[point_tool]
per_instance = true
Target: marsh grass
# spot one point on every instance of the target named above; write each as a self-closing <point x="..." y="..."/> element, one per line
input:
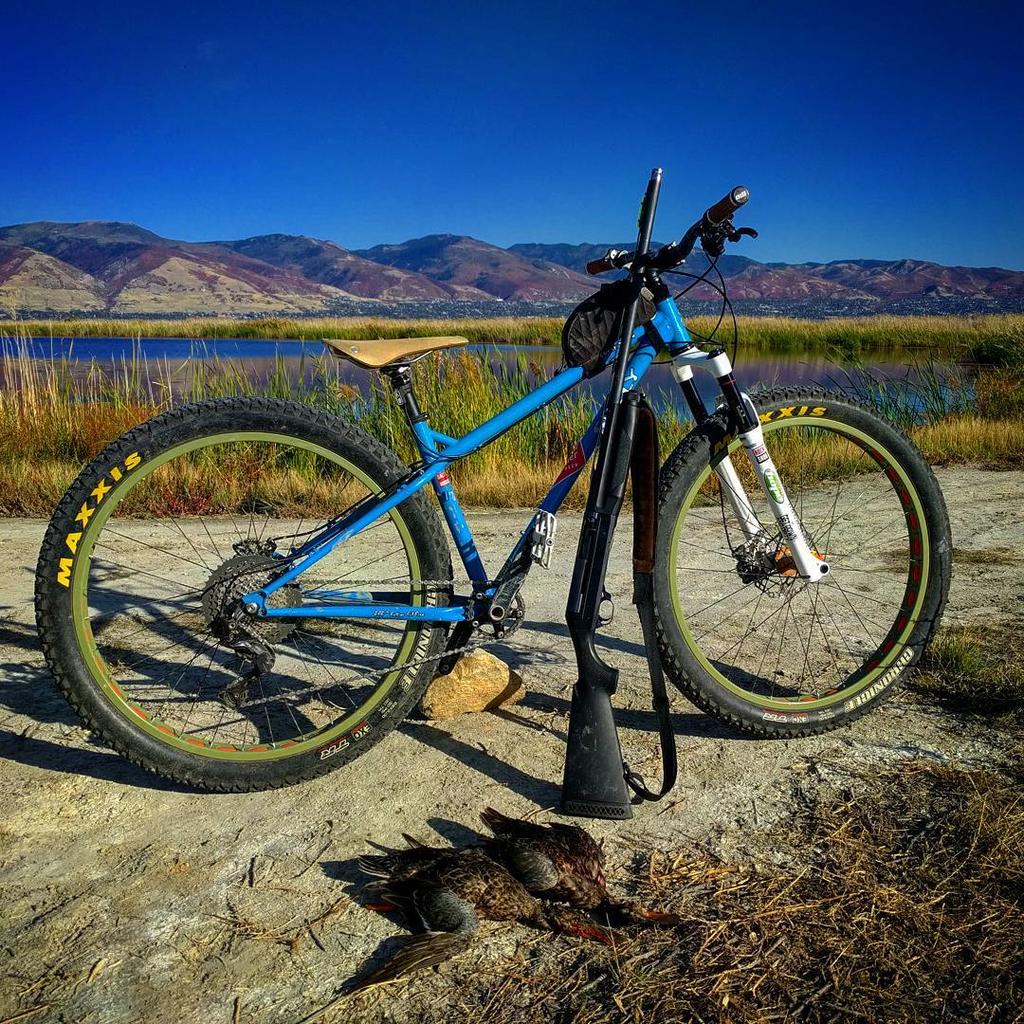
<point x="961" y="413"/>
<point x="989" y="443"/>
<point x="52" y="420"/>
<point x="54" y="417"/>
<point x="927" y="392"/>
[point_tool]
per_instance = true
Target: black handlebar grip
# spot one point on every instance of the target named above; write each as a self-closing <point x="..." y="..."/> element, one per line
<point x="727" y="205"/>
<point x="613" y="259"/>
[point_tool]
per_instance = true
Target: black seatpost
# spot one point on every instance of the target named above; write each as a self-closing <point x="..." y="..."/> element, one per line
<point x="594" y="783"/>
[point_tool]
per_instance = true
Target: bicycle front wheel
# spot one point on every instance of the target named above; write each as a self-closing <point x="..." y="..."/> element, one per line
<point x="740" y="632"/>
<point x="149" y="552"/>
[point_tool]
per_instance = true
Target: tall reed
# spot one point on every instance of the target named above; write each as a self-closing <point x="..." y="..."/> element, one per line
<point x="56" y="414"/>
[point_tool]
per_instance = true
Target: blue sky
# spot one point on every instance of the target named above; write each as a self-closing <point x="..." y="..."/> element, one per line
<point x="869" y="130"/>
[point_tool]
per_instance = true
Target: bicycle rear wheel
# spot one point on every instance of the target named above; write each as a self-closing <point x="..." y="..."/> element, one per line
<point x="176" y="520"/>
<point x="740" y="632"/>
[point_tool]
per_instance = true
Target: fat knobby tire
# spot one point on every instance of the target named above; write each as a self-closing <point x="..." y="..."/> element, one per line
<point x="53" y="599"/>
<point x="685" y="464"/>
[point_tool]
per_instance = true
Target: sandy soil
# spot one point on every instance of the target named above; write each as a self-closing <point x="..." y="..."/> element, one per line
<point x="129" y="900"/>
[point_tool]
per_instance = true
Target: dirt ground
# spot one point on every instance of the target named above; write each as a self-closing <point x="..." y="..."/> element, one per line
<point x="126" y="899"/>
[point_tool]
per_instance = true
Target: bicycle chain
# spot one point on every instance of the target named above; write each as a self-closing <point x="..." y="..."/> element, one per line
<point x="371" y="677"/>
<point x="377" y="676"/>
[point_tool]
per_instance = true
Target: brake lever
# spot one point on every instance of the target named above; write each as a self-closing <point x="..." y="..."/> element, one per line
<point x="712" y="240"/>
<point x="735" y="234"/>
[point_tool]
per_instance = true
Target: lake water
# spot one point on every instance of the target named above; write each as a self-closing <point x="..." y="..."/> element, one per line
<point x="175" y="358"/>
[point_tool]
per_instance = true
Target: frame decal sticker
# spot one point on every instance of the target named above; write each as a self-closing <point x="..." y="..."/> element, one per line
<point x="774" y="486"/>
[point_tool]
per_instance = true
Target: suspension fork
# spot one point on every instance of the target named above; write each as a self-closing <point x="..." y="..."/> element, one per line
<point x="809" y="563"/>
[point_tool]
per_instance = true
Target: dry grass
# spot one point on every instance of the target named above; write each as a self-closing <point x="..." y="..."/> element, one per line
<point x="974" y="668"/>
<point x="990" y="443"/>
<point x="998" y="555"/>
<point x="52" y="420"/>
<point x="534" y="330"/>
<point x="909" y="907"/>
<point x="292" y="934"/>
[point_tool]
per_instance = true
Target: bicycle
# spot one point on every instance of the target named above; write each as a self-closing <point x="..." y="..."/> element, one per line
<point x="799" y="570"/>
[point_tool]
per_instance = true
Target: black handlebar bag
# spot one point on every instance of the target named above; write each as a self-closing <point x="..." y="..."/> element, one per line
<point x="595" y="324"/>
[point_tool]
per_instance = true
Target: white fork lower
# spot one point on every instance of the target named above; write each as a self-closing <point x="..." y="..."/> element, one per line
<point x="809" y="564"/>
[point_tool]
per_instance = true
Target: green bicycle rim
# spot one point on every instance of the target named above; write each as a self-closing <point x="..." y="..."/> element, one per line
<point x="895" y="640"/>
<point x="102" y="677"/>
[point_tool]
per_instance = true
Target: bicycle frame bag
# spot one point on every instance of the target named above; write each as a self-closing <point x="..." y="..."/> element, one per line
<point x="594" y="326"/>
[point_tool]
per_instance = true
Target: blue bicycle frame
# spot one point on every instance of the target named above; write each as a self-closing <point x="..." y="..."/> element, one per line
<point x="438" y="452"/>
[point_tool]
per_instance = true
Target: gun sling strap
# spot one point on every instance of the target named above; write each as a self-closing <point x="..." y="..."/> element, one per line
<point x="643" y="470"/>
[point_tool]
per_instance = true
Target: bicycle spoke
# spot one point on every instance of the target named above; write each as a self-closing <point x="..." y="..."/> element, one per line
<point x="334" y="678"/>
<point x="153" y="547"/>
<point x="150" y="609"/>
<point x="813" y="640"/>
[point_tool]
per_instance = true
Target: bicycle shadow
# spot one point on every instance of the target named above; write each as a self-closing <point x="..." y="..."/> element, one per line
<point x="693" y="724"/>
<point x="540" y="791"/>
<point x="612" y="643"/>
<point x="28" y="691"/>
<point x="26" y="686"/>
<point x="558" y="654"/>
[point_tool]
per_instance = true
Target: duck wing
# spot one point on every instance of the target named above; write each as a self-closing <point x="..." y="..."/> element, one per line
<point x="402" y="864"/>
<point x="504" y="826"/>
<point x="419" y="953"/>
<point x="527" y="862"/>
<point x="560" y="841"/>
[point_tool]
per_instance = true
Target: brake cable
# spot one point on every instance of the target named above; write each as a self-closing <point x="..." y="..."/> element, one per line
<point x="726" y="302"/>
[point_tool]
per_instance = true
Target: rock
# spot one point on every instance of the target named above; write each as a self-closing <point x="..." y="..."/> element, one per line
<point x="479" y="682"/>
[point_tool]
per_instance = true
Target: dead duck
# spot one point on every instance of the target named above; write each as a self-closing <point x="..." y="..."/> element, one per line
<point x="447" y="893"/>
<point x="558" y="862"/>
<point x="562" y="863"/>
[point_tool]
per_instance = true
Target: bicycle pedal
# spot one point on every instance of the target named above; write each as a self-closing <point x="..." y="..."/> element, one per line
<point x="545" y="525"/>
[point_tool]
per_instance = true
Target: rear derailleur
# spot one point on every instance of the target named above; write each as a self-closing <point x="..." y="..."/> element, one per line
<point x="251" y="637"/>
<point x="233" y="632"/>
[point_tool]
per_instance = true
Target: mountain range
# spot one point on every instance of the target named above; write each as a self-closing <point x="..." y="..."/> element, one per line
<point x="123" y="269"/>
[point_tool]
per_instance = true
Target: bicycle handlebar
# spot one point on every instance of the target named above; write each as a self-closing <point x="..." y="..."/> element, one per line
<point x="608" y="261"/>
<point x="713" y="227"/>
<point x="727" y="205"/>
